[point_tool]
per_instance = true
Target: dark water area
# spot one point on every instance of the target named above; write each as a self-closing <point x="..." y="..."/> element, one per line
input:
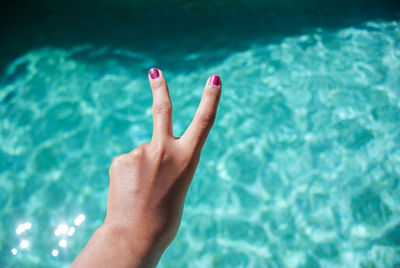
<point x="174" y="32"/>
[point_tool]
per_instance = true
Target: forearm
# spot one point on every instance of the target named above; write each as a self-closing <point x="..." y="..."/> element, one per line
<point x="112" y="245"/>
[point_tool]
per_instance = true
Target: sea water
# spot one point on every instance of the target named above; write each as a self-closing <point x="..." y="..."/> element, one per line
<point x="301" y="168"/>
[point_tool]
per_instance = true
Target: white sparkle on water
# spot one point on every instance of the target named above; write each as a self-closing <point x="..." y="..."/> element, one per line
<point x="24" y="244"/>
<point x="23" y="227"/>
<point x="62" y="229"/>
<point x="78" y="220"/>
<point x="63" y="243"/>
<point x="71" y="231"/>
<point x="54" y="252"/>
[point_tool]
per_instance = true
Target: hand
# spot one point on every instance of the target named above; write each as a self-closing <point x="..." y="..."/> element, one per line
<point x="148" y="186"/>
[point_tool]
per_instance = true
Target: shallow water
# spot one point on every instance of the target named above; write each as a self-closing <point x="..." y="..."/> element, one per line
<point x="300" y="170"/>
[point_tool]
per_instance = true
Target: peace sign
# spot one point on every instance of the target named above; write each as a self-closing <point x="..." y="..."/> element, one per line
<point x="203" y="120"/>
<point x="148" y="186"/>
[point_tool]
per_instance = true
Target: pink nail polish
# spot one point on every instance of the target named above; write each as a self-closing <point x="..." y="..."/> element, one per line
<point x="215" y="79"/>
<point x="154" y="73"/>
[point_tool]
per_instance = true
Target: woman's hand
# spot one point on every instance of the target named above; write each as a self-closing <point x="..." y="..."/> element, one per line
<point x="148" y="185"/>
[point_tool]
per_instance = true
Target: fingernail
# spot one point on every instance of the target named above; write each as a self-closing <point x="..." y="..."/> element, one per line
<point x="154" y="73"/>
<point x="215" y="79"/>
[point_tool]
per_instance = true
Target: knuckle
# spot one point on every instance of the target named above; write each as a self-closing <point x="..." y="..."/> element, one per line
<point x="162" y="108"/>
<point x="120" y="161"/>
<point x="158" y="83"/>
<point x="212" y="91"/>
<point x="161" y="153"/>
<point x="186" y="159"/>
<point x="138" y="152"/>
<point x="206" y="120"/>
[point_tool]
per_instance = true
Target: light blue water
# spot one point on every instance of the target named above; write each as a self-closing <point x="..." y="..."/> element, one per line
<point x="300" y="170"/>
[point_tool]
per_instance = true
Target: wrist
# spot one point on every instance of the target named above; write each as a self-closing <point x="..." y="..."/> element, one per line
<point x="139" y="246"/>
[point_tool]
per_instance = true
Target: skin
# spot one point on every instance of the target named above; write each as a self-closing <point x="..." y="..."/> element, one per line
<point x="148" y="187"/>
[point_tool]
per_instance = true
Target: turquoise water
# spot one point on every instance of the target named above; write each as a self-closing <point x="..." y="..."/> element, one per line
<point x="301" y="169"/>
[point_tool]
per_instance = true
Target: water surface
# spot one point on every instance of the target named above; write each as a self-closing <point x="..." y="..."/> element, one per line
<point x="300" y="170"/>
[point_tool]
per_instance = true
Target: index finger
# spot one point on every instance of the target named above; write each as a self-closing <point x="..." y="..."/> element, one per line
<point x="203" y="120"/>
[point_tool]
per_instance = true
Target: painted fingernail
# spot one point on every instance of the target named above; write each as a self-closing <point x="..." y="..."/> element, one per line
<point x="215" y="79"/>
<point x="154" y="73"/>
